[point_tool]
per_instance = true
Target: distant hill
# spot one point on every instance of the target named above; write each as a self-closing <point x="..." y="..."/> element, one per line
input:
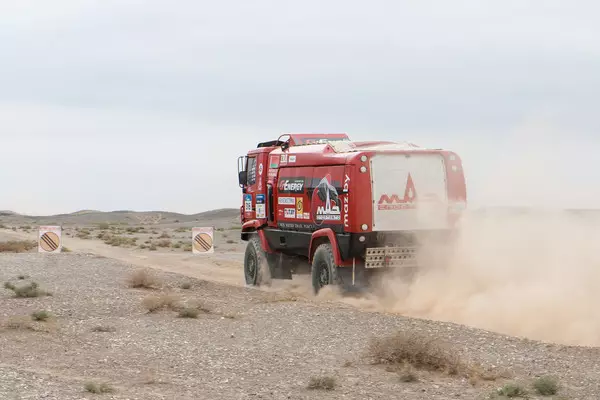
<point x="219" y="217"/>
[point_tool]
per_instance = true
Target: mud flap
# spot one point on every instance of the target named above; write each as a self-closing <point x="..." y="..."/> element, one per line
<point x="360" y="283"/>
<point x="279" y="266"/>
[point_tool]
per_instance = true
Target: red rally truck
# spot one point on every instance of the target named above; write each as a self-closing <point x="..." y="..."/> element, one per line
<point x="342" y="210"/>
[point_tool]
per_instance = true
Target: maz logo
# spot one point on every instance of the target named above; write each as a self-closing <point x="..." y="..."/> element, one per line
<point x="394" y="202"/>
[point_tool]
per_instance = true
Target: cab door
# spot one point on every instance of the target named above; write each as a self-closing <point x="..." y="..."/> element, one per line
<point x="255" y="199"/>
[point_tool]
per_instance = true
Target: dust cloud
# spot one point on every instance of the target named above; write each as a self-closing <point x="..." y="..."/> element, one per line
<point x="531" y="272"/>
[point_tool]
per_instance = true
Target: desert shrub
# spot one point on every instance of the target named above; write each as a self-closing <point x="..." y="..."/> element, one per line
<point x="98" y="388"/>
<point x="104" y="329"/>
<point x="104" y="225"/>
<point x="40" y="316"/>
<point x="176" y="245"/>
<point x="181" y="230"/>
<point x="152" y="247"/>
<point x="26" y="291"/>
<point x="419" y="351"/>
<point x="17" y="246"/>
<point x="19" y="323"/>
<point x="164" y="243"/>
<point x="65" y="249"/>
<point x="189" y="312"/>
<point x="512" y="390"/>
<point x="408" y="374"/>
<point x="164" y="235"/>
<point x="120" y="241"/>
<point x="322" y="383"/>
<point x="142" y="278"/>
<point x="186" y="285"/>
<point x="163" y="301"/>
<point x="187" y="247"/>
<point x="230" y="241"/>
<point x="546" y="386"/>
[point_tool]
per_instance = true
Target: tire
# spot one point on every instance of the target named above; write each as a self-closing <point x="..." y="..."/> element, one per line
<point x="323" y="270"/>
<point x="256" y="267"/>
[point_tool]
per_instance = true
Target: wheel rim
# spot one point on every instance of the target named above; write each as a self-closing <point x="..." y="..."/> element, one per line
<point x="323" y="275"/>
<point x="251" y="268"/>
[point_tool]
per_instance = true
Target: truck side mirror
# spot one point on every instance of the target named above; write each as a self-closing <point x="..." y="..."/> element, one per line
<point x="242" y="177"/>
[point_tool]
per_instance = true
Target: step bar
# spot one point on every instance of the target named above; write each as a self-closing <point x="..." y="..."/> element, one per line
<point x="383" y="257"/>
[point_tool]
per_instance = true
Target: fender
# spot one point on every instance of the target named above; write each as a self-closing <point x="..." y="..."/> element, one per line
<point x="325" y="232"/>
<point x="255" y="226"/>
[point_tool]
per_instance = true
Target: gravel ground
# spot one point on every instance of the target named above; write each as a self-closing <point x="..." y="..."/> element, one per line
<point x="252" y="344"/>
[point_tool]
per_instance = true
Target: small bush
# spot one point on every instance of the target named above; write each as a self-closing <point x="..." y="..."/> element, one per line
<point x="408" y="374"/>
<point x="104" y="329"/>
<point x="65" y="249"/>
<point x="186" y="285"/>
<point x="104" y="225"/>
<point x="155" y="303"/>
<point x="120" y="241"/>
<point x="19" y="323"/>
<point x="143" y="279"/>
<point x="322" y="383"/>
<point x="164" y="243"/>
<point x="187" y="247"/>
<point x="512" y="390"/>
<point x="164" y="235"/>
<point x="189" y="312"/>
<point x="152" y="247"/>
<point x="546" y="386"/>
<point x="230" y="241"/>
<point x="181" y="230"/>
<point x="176" y="245"/>
<point x="40" y="316"/>
<point x="418" y="351"/>
<point x="26" y="291"/>
<point x="98" y="388"/>
<point x="17" y="246"/>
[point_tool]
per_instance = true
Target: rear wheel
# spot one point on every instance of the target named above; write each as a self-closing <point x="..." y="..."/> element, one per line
<point x="324" y="269"/>
<point x="256" y="267"/>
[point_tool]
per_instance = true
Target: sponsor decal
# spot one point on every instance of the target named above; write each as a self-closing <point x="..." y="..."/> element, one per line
<point x="272" y="173"/>
<point x="260" y="206"/>
<point x="289" y="213"/>
<point x="291" y="185"/>
<point x="394" y="202"/>
<point x="274" y="162"/>
<point x="260" y="169"/>
<point x="286" y="200"/>
<point x="248" y="203"/>
<point x="299" y="206"/>
<point x="306" y="215"/>
<point x="292" y="159"/>
<point x="346" y="205"/>
<point x="325" y="203"/>
<point x="283" y="159"/>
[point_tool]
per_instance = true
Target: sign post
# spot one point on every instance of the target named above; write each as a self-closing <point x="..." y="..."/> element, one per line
<point x="202" y="241"/>
<point x="50" y="239"/>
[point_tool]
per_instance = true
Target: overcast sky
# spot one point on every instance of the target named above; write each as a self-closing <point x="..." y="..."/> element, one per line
<point x="146" y="105"/>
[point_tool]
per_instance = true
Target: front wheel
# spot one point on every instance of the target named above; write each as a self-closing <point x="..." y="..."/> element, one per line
<point x="324" y="269"/>
<point x="256" y="268"/>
